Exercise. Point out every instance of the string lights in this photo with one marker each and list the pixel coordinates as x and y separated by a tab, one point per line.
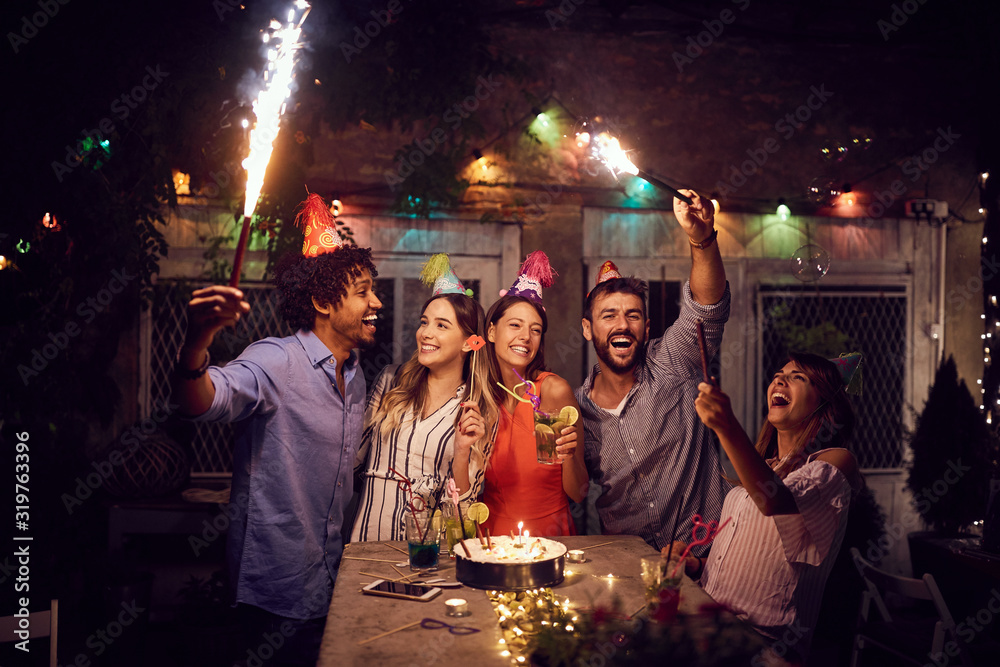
990	382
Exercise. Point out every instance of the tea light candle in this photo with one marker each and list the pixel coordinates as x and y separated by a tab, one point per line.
576	556
456	607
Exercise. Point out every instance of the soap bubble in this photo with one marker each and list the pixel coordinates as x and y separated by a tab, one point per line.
810	263
824	191
834	151
862	140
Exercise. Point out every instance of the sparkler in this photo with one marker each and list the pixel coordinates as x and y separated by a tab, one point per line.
283	42
608	151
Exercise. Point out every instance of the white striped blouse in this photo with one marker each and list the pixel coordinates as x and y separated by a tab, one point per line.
420	449
771	571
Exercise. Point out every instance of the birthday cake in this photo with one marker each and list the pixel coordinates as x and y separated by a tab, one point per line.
511	564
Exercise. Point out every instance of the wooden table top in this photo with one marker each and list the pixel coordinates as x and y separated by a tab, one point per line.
355	617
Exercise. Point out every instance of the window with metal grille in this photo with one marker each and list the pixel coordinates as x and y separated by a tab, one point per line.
830	321
212	444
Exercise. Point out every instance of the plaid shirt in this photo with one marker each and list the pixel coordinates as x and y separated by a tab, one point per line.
658	451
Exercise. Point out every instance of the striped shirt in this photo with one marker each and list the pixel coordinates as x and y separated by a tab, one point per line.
771	571
420	449
657	451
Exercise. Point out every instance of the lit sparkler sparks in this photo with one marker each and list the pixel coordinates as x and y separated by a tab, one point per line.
283	43
607	150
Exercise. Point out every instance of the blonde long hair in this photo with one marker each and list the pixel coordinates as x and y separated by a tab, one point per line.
410	386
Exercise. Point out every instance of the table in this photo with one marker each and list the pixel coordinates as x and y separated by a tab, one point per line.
354	616
969	578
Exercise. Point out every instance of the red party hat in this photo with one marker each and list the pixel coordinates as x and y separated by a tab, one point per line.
317	224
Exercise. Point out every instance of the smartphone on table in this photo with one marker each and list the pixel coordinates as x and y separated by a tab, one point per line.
392	589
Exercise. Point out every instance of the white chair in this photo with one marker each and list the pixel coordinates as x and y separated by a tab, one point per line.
42	624
904	637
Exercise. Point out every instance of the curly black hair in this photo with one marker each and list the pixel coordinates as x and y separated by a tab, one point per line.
325	277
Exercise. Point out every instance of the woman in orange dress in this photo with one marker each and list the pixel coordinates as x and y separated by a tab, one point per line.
519	489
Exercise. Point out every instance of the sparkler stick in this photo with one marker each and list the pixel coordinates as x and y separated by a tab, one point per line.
704	350
646	176
268	108
677	518
609	152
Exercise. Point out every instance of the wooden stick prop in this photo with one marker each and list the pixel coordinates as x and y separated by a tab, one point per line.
386	634
396	580
475	342
602	544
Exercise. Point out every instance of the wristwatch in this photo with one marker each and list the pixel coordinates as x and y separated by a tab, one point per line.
707	242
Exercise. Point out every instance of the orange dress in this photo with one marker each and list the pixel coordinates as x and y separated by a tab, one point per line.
518	487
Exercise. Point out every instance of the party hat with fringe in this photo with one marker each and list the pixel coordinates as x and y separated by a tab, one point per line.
535	274
317	224
437	271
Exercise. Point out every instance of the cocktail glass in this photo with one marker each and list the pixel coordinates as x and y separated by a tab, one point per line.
548	428
662	590
422	541
454	533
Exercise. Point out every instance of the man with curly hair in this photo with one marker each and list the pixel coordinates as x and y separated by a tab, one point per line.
298	406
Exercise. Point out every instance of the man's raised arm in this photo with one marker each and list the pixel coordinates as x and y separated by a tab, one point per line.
210	310
708	275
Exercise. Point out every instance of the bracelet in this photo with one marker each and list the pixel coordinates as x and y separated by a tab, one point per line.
707	242
701	568
187	374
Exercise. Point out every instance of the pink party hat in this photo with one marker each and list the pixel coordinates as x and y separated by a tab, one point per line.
535	274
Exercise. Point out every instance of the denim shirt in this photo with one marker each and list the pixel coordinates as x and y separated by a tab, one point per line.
296	439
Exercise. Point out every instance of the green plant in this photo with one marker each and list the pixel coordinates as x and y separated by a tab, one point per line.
710	637
954	455
824	339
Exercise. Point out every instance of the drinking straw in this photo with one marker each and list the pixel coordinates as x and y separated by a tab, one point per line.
431	509
409	502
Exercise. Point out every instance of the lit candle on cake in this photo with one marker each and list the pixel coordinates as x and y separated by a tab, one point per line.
520	525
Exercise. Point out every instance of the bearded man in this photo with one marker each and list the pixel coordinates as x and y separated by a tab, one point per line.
644	444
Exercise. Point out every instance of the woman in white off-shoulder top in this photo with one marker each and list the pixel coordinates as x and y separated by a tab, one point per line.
788	510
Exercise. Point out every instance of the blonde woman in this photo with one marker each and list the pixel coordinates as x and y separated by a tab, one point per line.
422	422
